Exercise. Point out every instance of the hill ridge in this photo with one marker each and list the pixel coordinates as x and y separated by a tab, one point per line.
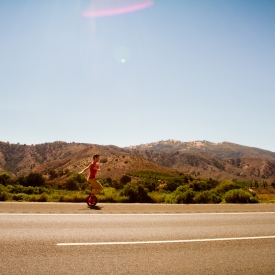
202	159
222	150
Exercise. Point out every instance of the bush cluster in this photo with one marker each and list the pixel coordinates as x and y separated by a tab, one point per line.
187	190
76	182
14	189
33	179
138	187
136	193
240	196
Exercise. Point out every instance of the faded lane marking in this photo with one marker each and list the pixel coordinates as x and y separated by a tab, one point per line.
136	214
168	241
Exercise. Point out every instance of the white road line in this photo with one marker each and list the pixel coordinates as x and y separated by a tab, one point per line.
168	241
136	214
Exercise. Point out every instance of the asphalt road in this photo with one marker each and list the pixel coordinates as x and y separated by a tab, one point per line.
36	239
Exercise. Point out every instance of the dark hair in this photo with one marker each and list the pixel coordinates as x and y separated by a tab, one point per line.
95	156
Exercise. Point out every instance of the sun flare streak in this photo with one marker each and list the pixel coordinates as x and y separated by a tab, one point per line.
94	11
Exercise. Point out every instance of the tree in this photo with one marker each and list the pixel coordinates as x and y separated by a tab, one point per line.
75	181
109	180
53	174
136	193
34	179
103	160
115	184
78	178
4	178
72	184
125	179
173	184
186	197
240	196
208	197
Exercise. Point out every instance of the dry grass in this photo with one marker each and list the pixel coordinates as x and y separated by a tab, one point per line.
267	197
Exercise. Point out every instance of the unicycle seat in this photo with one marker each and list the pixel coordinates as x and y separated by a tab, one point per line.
91	200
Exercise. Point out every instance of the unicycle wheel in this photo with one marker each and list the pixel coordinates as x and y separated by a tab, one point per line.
92	200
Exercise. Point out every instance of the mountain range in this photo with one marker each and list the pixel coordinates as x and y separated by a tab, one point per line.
204	159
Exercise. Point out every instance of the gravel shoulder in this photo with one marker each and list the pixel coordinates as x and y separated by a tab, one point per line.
109	208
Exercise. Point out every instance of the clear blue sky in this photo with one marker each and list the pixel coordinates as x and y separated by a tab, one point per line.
185	70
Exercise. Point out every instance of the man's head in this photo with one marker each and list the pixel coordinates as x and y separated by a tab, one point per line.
96	157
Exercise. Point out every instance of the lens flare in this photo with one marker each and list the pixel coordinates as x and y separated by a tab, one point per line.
121	54
100	8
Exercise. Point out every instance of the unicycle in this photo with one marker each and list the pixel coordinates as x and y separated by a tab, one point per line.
91	200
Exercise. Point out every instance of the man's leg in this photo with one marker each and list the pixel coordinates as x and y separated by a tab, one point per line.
97	187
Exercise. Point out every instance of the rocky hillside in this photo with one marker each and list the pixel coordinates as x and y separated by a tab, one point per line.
201	159
60	156
205	159
245	168
223	150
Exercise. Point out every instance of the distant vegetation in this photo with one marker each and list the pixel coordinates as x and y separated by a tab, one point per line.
135	187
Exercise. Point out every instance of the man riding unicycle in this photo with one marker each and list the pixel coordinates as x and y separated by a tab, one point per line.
95	185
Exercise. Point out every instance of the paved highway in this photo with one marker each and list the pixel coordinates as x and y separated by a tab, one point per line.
39	240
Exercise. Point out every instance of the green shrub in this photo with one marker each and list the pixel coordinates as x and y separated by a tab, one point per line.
32	198
18	197
109	180
36	190
76	182
207	197
4	196
186	197
148	184
227	185
104	198
40	190
151	185
116	185
72	198
181	189
72	184
136	193
53	174
111	195
158	197
16	188
159	176
173	184
84	186
240	196
131	192
77	198
64	198
103	160
202	185
79	178
34	179
254	199
43	198
29	190
5	178
125	179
